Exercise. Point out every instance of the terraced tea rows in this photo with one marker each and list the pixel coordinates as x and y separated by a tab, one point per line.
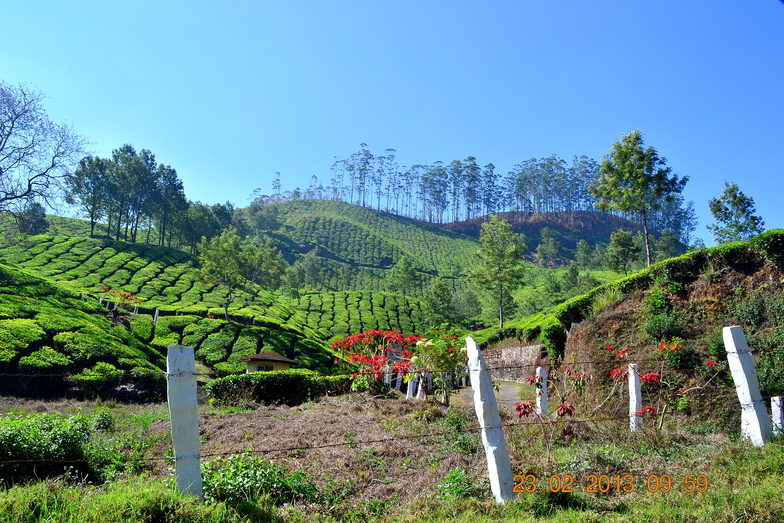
342	313
166	280
364	237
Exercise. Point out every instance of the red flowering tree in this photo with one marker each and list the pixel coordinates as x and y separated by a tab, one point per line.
370	351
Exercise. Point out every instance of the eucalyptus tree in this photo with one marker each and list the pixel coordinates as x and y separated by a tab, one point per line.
87	188
170	199
635	179
473	189
36	154
491	192
456	186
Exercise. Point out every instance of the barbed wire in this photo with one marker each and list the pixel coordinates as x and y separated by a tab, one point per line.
542	420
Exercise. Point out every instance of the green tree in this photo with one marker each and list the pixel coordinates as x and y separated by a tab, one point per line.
549	247
583	254
621	251
734	214
87	187
234	264
438	303
500	269
635	179
667	246
403	276
306	271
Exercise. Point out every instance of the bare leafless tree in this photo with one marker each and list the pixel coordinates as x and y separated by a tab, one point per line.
35	153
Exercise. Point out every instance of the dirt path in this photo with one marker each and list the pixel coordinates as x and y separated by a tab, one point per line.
506	396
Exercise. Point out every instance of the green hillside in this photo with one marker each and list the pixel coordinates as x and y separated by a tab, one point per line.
163	279
372	239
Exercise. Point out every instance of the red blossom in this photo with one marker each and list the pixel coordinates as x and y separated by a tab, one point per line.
646	410
623	353
619	374
610	347
567	409
533	379
524	408
710	363
651	377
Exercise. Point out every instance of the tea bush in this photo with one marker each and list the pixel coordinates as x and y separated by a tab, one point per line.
244	478
290	387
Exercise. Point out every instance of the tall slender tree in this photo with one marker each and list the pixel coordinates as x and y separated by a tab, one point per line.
500	270
634	178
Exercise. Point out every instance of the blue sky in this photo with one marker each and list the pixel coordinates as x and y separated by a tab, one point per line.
229	94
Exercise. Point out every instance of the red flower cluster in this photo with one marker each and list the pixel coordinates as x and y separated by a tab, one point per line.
710	363
651	377
375	364
619	374
373	341
646	410
567	409
524	408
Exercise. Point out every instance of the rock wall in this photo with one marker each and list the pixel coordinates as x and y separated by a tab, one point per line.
514	363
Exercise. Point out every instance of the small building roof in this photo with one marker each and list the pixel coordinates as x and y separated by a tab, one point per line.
268	356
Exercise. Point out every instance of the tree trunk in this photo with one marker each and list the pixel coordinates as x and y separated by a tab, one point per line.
645	235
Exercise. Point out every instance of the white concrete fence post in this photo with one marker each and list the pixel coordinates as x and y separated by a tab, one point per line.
499	468
635	399
542	407
755	422
184	414
412	387
777	414
155	317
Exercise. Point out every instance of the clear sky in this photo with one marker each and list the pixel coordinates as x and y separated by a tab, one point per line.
230	92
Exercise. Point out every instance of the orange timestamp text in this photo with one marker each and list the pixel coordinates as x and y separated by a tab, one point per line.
605	483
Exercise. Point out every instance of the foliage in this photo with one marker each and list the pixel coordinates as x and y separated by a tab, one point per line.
235	264
621	251
500	268
43	445
634	178
244	479
458	484
289	387
734	215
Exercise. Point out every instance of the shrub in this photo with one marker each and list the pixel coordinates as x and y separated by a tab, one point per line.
43	445
244	478
290	387
665	325
457	484
44	361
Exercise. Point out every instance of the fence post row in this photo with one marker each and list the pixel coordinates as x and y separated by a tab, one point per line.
635	399
184	414
777	415
755	423
542	406
499	468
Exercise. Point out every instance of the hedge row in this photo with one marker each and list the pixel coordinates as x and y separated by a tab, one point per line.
289	387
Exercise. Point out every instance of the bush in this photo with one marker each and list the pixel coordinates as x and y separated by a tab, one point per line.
244	478
290	387
44	445
457	484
